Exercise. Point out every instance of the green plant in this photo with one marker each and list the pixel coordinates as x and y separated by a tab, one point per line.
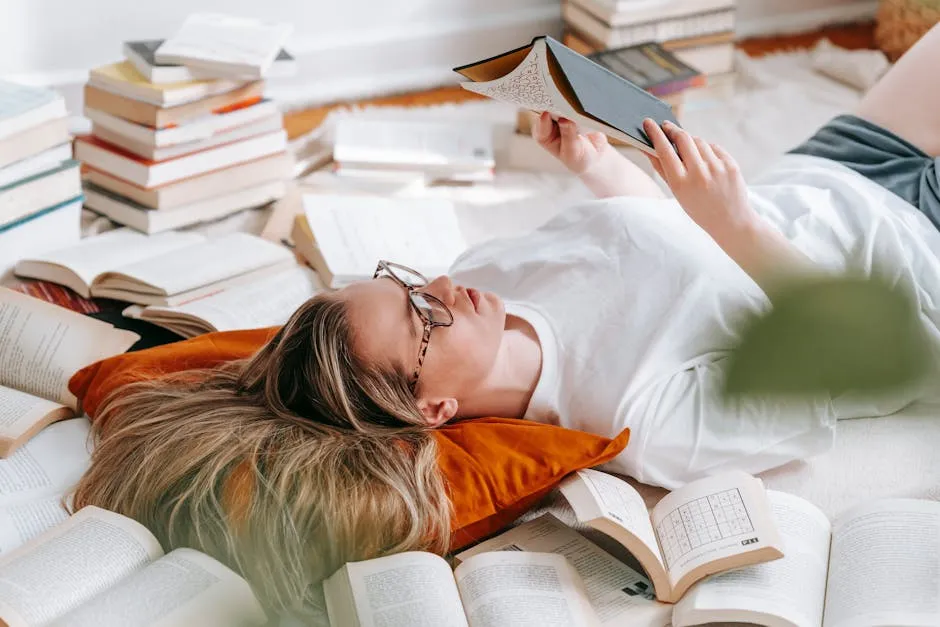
832	336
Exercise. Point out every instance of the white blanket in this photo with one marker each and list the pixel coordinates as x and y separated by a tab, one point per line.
887	457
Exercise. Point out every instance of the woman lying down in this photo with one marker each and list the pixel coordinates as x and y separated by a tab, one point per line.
618	313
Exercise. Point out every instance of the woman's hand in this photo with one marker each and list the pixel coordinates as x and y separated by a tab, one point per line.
703	177
708	184
563	140
602	169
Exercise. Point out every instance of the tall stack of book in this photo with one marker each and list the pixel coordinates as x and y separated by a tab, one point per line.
40	185
698	32
176	145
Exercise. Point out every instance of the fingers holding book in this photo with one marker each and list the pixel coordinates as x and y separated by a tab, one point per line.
563	139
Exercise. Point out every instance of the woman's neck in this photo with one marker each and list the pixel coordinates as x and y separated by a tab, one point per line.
507	390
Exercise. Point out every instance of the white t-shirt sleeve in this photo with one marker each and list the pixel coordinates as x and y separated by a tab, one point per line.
690	431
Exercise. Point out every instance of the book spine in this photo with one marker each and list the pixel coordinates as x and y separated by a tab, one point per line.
671	87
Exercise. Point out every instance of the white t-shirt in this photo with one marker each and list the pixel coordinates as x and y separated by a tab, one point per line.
636	309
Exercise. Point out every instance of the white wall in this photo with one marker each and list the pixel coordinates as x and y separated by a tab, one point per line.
763	17
345	48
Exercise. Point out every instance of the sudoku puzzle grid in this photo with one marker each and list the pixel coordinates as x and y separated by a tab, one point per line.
702	521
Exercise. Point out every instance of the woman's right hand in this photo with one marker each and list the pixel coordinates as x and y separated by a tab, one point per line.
563	140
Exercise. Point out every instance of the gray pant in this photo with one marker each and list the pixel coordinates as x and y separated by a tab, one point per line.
880	155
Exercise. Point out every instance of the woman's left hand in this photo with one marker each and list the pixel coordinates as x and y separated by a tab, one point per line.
703	177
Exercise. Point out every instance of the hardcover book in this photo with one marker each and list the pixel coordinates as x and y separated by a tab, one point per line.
548	76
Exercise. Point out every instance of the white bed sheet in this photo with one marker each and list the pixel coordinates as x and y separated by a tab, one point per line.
895	456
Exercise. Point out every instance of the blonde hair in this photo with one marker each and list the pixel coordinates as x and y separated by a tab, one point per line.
284	466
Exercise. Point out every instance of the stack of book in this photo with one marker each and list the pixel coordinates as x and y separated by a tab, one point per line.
175	145
699	32
40	186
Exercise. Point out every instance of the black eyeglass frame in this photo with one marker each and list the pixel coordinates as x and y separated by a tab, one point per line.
387	268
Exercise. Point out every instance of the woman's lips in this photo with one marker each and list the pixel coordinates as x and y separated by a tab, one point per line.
474	298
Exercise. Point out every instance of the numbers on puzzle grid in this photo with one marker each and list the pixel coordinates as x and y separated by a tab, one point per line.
700	522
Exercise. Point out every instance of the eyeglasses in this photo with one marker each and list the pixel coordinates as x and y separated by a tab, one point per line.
431	310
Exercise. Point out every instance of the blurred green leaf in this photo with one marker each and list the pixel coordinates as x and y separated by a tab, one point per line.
832	336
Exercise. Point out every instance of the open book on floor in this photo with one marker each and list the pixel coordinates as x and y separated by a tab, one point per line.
343	236
37	479
165	269
99	568
618	593
548	76
41	346
874	564
265	302
489	589
707	526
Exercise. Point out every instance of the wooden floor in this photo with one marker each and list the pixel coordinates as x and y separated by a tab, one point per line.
853	36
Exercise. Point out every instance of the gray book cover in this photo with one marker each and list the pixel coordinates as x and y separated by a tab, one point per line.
610	98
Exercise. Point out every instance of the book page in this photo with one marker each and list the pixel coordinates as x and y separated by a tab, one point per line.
525	86
596	495
21	523
19	411
106	252
267	302
42	345
619	594
790	589
182	588
354	232
66	566
411	589
205	263
713	518
49	464
884	566
523	590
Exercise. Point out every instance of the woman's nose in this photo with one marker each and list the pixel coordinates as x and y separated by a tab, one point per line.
442	288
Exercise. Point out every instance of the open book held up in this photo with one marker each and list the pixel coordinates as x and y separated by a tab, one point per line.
548	76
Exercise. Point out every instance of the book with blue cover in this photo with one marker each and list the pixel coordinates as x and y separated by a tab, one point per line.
32	194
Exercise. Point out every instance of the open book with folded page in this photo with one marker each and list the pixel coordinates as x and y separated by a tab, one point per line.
618	593
98	568
548	76
343	236
164	269
265	302
487	590
37	480
876	563
41	346
707	526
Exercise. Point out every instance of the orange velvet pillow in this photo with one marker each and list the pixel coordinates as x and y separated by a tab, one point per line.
494	468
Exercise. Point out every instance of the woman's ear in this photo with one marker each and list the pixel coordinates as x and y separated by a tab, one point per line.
438	411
